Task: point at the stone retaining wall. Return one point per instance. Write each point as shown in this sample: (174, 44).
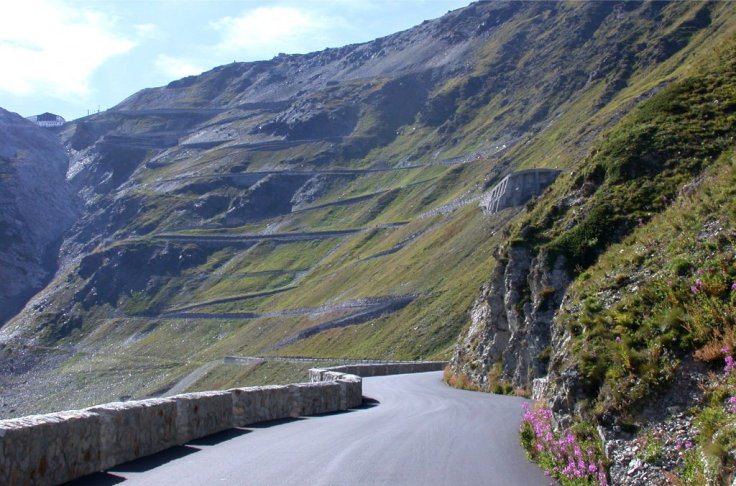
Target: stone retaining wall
(49, 449)
(54, 448)
(135, 429)
(202, 414)
(368, 370)
(517, 188)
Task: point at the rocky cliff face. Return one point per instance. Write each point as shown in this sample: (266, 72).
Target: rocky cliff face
(510, 333)
(36, 208)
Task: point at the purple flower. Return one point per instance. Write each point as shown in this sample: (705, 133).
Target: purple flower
(731, 404)
(730, 365)
(618, 339)
(725, 349)
(564, 451)
(733, 287)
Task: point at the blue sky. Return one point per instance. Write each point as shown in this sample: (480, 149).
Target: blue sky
(71, 56)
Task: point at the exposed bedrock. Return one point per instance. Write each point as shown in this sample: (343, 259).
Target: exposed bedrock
(36, 208)
(511, 320)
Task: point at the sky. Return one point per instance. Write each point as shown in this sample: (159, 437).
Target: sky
(73, 57)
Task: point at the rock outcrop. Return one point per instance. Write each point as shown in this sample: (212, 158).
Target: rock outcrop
(511, 320)
(36, 208)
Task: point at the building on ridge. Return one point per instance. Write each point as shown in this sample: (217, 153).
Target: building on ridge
(47, 120)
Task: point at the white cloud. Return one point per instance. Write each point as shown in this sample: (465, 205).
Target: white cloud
(50, 48)
(269, 30)
(176, 67)
(150, 31)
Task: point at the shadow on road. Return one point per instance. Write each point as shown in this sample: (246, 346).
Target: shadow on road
(96, 479)
(215, 439)
(156, 460)
(272, 423)
(368, 402)
(136, 466)
(153, 461)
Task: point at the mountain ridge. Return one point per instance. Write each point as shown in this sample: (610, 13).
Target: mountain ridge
(247, 194)
(34, 216)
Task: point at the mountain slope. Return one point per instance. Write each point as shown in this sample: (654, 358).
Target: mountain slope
(609, 309)
(37, 208)
(325, 204)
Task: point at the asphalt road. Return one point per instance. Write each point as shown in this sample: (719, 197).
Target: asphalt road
(421, 432)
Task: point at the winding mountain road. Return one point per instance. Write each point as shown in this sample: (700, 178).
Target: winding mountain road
(421, 432)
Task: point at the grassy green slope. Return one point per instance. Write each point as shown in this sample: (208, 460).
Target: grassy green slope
(652, 249)
(442, 259)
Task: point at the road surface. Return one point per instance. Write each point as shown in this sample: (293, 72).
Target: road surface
(421, 432)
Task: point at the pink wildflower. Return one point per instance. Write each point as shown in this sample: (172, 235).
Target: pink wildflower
(618, 339)
(730, 365)
(731, 404)
(567, 456)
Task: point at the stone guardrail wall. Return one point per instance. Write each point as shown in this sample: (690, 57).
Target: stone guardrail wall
(54, 448)
(302, 359)
(368, 370)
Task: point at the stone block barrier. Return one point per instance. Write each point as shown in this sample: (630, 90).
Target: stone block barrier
(49, 449)
(381, 369)
(129, 430)
(261, 404)
(54, 448)
(202, 414)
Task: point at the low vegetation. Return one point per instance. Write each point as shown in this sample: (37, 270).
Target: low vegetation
(566, 457)
(652, 247)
